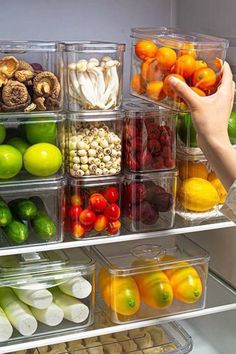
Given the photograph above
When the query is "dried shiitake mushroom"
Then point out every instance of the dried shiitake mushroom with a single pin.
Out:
(8, 66)
(46, 84)
(15, 96)
(40, 103)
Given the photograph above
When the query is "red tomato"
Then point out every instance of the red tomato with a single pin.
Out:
(111, 194)
(74, 212)
(112, 212)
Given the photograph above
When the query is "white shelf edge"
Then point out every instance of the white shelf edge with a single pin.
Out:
(113, 239)
(73, 335)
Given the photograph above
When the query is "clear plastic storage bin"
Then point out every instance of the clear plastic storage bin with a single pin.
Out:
(156, 278)
(30, 76)
(149, 137)
(94, 75)
(93, 207)
(148, 201)
(32, 213)
(159, 53)
(31, 147)
(200, 192)
(45, 293)
(94, 144)
(167, 338)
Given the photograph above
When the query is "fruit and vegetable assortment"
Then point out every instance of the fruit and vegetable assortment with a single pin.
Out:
(23, 309)
(27, 87)
(149, 204)
(149, 143)
(94, 148)
(94, 210)
(158, 57)
(32, 147)
(199, 188)
(25, 218)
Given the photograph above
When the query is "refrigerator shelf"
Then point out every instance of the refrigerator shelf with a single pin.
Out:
(179, 228)
(220, 298)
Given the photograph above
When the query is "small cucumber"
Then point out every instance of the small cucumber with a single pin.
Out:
(17, 232)
(5, 214)
(43, 226)
(24, 209)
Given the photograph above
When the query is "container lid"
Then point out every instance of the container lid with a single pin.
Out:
(96, 115)
(190, 154)
(10, 187)
(136, 176)
(94, 181)
(93, 46)
(21, 47)
(135, 257)
(11, 118)
(176, 38)
(43, 269)
(136, 105)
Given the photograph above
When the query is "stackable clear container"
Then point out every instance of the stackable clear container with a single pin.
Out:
(94, 144)
(186, 136)
(167, 338)
(159, 52)
(31, 147)
(149, 142)
(31, 213)
(45, 293)
(150, 279)
(94, 75)
(200, 192)
(148, 201)
(93, 207)
(31, 76)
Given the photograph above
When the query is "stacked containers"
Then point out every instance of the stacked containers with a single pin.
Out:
(31, 143)
(149, 186)
(94, 75)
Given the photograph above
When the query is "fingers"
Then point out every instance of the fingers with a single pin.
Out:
(184, 91)
(227, 78)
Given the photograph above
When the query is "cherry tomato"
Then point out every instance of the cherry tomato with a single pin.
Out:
(112, 212)
(111, 194)
(74, 212)
(87, 217)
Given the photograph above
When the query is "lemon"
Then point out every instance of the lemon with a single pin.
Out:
(198, 194)
(216, 182)
(189, 169)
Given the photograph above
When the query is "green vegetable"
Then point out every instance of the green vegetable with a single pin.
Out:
(24, 209)
(186, 130)
(42, 224)
(17, 232)
(5, 214)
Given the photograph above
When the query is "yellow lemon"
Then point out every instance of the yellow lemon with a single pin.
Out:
(198, 194)
(216, 182)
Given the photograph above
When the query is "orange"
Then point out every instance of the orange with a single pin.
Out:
(188, 48)
(216, 182)
(137, 84)
(198, 91)
(167, 88)
(185, 66)
(150, 70)
(218, 63)
(190, 169)
(155, 91)
(166, 58)
(145, 49)
(204, 78)
(200, 64)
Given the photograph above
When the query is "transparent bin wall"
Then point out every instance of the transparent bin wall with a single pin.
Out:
(93, 75)
(163, 55)
(82, 307)
(44, 135)
(168, 338)
(149, 140)
(143, 281)
(200, 193)
(93, 207)
(148, 202)
(49, 200)
(94, 145)
(37, 70)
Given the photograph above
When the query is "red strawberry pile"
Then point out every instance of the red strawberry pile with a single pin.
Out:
(93, 213)
(148, 145)
(144, 201)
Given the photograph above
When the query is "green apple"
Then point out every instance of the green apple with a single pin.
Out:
(232, 128)
(186, 130)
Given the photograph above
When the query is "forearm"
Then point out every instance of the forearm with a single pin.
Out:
(222, 158)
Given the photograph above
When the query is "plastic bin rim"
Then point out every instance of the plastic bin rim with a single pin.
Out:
(179, 35)
(83, 181)
(9, 187)
(23, 46)
(96, 115)
(20, 116)
(91, 45)
(131, 176)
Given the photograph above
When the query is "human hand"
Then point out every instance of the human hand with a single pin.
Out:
(210, 114)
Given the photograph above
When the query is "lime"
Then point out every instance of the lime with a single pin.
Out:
(37, 132)
(42, 159)
(10, 161)
(232, 128)
(2, 133)
(186, 130)
(19, 143)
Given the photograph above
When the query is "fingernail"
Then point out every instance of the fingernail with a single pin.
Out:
(173, 80)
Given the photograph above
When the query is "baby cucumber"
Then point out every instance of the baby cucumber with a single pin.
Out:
(16, 232)
(5, 214)
(24, 209)
(42, 224)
